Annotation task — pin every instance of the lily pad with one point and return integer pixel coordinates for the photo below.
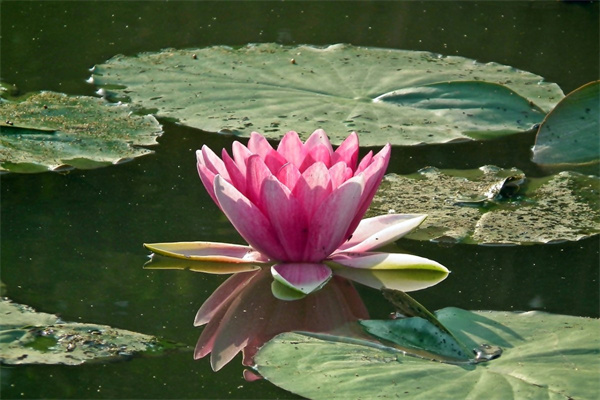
(544, 356)
(494, 206)
(54, 131)
(571, 132)
(397, 96)
(30, 337)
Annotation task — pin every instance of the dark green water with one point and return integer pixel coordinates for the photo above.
(71, 243)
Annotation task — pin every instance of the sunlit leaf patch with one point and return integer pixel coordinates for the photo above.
(397, 96)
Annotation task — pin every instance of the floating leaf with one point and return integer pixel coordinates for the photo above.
(545, 356)
(397, 96)
(53, 131)
(571, 132)
(492, 205)
(30, 337)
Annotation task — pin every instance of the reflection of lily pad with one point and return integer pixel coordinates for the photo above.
(491, 205)
(571, 132)
(30, 337)
(396, 96)
(55, 131)
(545, 356)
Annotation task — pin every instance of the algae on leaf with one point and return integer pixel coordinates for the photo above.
(494, 206)
(54, 131)
(397, 96)
(30, 337)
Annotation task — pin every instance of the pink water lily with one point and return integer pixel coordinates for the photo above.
(300, 209)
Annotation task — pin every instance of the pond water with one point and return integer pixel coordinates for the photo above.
(72, 242)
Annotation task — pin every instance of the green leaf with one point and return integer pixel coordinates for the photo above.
(494, 206)
(30, 337)
(571, 132)
(544, 356)
(397, 96)
(54, 131)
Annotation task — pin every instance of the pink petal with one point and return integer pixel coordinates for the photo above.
(364, 163)
(304, 277)
(312, 188)
(222, 296)
(248, 220)
(318, 153)
(207, 251)
(288, 175)
(404, 272)
(256, 174)
(213, 162)
(259, 145)
(318, 137)
(381, 230)
(347, 151)
(237, 178)
(158, 261)
(207, 177)
(329, 224)
(274, 161)
(287, 217)
(339, 174)
(240, 156)
(373, 175)
(291, 148)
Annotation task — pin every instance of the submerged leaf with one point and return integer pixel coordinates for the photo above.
(30, 337)
(494, 206)
(545, 356)
(54, 131)
(420, 337)
(417, 331)
(397, 96)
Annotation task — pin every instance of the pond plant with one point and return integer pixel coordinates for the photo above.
(317, 219)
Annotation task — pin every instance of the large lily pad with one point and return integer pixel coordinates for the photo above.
(54, 131)
(30, 337)
(571, 132)
(494, 206)
(397, 96)
(544, 356)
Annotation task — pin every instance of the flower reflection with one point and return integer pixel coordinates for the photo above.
(242, 314)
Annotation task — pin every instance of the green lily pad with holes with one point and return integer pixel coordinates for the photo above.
(544, 356)
(30, 337)
(571, 132)
(54, 131)
(397, 96)
(490, 205)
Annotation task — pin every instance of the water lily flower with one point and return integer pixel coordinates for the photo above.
(300, 209)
